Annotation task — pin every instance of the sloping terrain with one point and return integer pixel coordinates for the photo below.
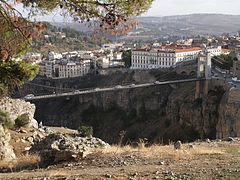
(199, 160)
(187, 25)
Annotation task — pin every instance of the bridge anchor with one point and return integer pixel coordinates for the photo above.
(203, 72)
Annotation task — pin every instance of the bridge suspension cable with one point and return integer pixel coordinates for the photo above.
(50, 87)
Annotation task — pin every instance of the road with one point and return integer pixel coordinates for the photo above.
(226, 77)
(117, 87)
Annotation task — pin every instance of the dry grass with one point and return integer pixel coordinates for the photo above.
(20, 163)
(164, 151)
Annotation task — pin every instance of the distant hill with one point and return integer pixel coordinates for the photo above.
(82, 27)
(193, 23)
(72, 40)
(179, 25)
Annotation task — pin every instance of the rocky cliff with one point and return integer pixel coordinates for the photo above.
(6, 150)
(17, 107)
(229, 114)
(159, 113)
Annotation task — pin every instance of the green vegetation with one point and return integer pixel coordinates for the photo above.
(60, 39)
(223, 61)
(17, 33)
(127, 56)
(5, 120)
(13, 74)
(22, 121)
(85, 131)
(110, 13)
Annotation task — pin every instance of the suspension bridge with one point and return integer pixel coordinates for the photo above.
(203, 74)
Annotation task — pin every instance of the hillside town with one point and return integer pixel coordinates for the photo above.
(119, 90)
(143, 56)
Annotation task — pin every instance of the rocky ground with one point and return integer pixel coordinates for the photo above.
(198, 160)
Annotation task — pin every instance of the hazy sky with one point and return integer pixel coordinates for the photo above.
(176, 7)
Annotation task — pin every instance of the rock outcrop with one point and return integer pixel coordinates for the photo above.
(17, 107)
(59, 147)
(6, 150)
(229, 115)
(159, 113)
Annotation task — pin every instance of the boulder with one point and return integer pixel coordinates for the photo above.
(60, 147)
(178, 145)
(17, 107)
(6, 150)
(229, 139)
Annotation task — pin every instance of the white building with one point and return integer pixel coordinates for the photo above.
(117, 55)
(161, 58)
(112, 46)
(33, 58)
(103, 61)
(47, 68)
(72, 69)
(64, 68)
(53, 55)
(215, 51)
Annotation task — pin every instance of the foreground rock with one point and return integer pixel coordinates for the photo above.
(59, 147)
(6, 150)
(17, 107)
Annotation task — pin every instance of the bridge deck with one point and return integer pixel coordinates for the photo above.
(120, 87)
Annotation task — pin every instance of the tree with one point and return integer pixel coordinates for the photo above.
(223, 61)
(14, 74)
(16, 32)
(5, 120)
(127, 56)
(108, 13)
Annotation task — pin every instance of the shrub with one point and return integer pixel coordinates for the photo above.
(5, 120)
(85, 131)
(22, 121)
(3, 90)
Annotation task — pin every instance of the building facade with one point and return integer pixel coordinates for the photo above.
(64, 69)
(47, 68)
(161, 58)
(215, 51)
(72, 69)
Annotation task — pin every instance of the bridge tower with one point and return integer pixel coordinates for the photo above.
(203, 72)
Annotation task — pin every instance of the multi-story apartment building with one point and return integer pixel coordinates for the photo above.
(64, 68)
(72, 69)
(47, 68)
(161, 58)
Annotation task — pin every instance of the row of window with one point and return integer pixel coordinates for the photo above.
(154, 63)
(168, 54)
(72, 73)
(71, 69)
(157, 55)
(187, 54)
(147, 67)
(153, 58)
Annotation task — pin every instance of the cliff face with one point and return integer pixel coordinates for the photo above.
(229, 115)
(159, 113)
